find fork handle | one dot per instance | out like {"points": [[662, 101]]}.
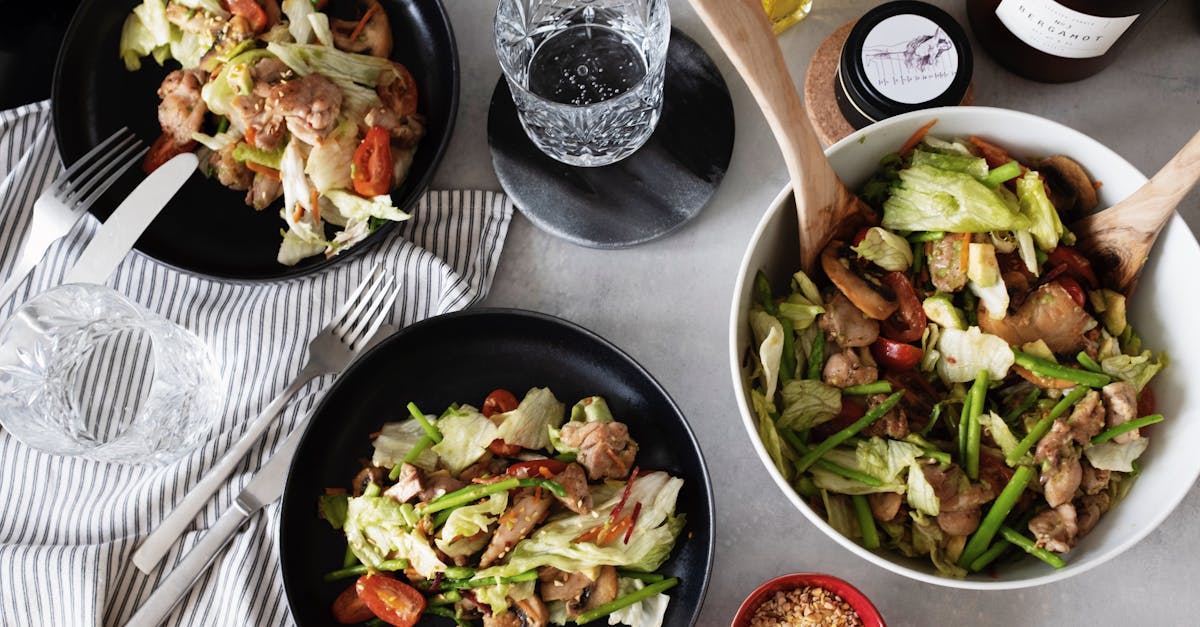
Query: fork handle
{"points": [[26, 263], [156, 545]]}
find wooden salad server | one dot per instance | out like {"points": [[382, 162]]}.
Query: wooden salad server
{"points": [[824, 205], [1119, 238]]}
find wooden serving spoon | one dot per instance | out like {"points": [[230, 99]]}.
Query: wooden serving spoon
{"points": [[1119, 238], [824, 205]]}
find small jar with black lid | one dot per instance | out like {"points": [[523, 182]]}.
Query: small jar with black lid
{"points": [[899, 57]]}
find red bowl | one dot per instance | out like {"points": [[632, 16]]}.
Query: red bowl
{"points": [[861, 604]]}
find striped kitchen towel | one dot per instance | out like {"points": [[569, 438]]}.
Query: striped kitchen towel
{"points": [[68, 526]]}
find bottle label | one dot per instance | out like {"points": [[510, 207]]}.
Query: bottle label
{"points": [[1061, 31], [909, 58]]}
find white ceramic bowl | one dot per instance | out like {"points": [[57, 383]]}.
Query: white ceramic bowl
{"points": [[1159, 312]]}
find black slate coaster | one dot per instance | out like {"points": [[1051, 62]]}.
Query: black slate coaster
{"points": [[644, 197]]}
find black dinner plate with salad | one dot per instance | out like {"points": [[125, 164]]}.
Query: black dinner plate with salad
{"points": [[496, 464], [268, 76]]}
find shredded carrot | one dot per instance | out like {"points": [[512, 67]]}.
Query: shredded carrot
{"points": [[964, 256], [250, 135], [298, 214], [615, 531], [264, 170], [616, 460], [591, 534], [358, 28], [917, 137], [315, 197], [993, 154], [545, 472]]}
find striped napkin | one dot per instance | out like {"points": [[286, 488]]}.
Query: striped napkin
{"points": [[69, 526]]}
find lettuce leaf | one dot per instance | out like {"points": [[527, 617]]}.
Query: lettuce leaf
{"points": [[839, 513], [331, 62], [931, 199], [808, 403], [527, 424], [356, 208], [886, 249], [469, 520], [769, 434], [965, 353], [395, 440], [1137, 370], [805, 287], [297, 12], [768, 336], [995, 426], [645, 613], [466, 434], [920, 494], [833, 482], [975, 166], [497, 597], [1118, 457], [886, 459], [376, 531], [1044, 223]]}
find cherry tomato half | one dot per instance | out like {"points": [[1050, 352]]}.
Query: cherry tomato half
{"points": [[163, 150], [392, 601], [1073, 288], [1145, 403], [908, 323], [254, 14], [895, 355], [498, 402], [348, 609], [1077, 265], [533, 467], [373, 163]]}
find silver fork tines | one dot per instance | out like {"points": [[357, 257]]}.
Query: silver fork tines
{"points": [[330, 351], [69, 196]]}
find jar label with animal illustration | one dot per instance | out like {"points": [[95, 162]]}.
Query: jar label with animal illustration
{"points": [[1061, 31], [909, 58]]}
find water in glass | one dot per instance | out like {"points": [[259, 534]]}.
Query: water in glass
{"points": [[85, 371], [586, 75]]}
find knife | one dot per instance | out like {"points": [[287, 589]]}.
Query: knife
{"points": [[130, 219], [266, 486]]}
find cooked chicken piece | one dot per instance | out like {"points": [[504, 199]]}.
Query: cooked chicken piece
{"points": [[1060, 480], [193, 21], [1054, 444], [1121, 399], [526, 512], [884, 505], [945, 264], [603, 591], [269, 70], [1094, 480], [232, 173], [574, 481], [866, 298], [181, 111], [310, 105], [1087, 419], [845, 369], [893, 424], [232, 32], [416, 483], [406, 131], [263, 191], [846, 324], [605, 448], [264, 129], [1091, 508], [1049, 314], [530, 612], [560, 585], [488, 466], [1055, 529], [960, 499], [993, 470], [962, 523], [375, 38]]}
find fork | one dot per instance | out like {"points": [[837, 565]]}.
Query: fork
{"points": [[69, 196], [329, 352]]}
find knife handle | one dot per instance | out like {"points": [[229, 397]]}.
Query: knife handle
{"points": [[172, 589]]}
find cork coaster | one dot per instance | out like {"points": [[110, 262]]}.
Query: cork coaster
{"points": [[819, 100]]}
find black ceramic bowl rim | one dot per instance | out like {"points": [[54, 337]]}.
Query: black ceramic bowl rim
{"points": [[414, 188], [851, 73], [288, 574]]}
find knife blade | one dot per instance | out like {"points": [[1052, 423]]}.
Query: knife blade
{"points": [[266, 486], [129, 220]]}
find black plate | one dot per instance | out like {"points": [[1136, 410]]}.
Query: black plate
{"points": [[208, 229], [462, 357]]}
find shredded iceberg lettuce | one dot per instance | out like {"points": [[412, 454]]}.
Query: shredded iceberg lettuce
{"points": [[1137, 370], [965, 353], [886, 249], [395, 441], [466, 434], [298, 12], [331, 62], [468, 520], [808, 403], [768, 336], [1118, 457], [932, 199], [646, 613], [527, 425]]}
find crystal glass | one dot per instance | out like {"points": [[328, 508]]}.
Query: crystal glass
{"points": [[85, 371], [586, 75]]}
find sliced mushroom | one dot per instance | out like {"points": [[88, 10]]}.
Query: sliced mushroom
{"points": [[367, 476], [869, 301], [375, 38], [1071, 188]]}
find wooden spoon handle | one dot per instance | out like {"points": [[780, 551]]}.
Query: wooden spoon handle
{"points": [[1121, 236], [742, 29]]}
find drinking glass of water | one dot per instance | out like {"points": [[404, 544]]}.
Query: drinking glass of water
{"points": [[586, 75], [85, 371]]}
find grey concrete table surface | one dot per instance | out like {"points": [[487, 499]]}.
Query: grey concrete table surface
{"points": [[667, 304]]}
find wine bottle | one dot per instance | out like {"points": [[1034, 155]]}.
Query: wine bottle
{"points": [[1057, 41]]}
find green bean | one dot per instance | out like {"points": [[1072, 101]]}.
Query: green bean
{"points": [[816, 356], [461, 584], [978, 396], [430, 430], [349, 559], [934, 414], [410, 456], [995, 516], [801, 448], [964, 428], [875, 387], [990, 555], [626, 601], [375, 622], [971, 308], [1042, 427], [473, 493], [637, 574], [1126, 427], [459, 572], [566, 458], [819, 450], [1047, 368], [762, 291], [918, 253], [438, 610], [1001, 173], [926, 236], [1026, 403], [449, 597], [866, 522], [787, 362], [362, 569], [1086, 361], [1019, 539]]}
